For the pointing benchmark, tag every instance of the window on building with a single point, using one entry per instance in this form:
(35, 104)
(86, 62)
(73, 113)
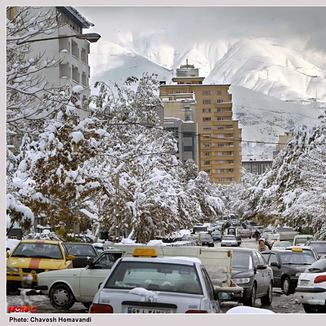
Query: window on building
(84, 79)
(83, 55)
(207, 119)
(74, 49)
(220, 136)
(207, 128)
(206, 145)
(218, 92)
(206, 110)
(220, 145)
(206, 92)
(75, 74)
(219, 100)
(206, 101)
(207, 162)
(207, 153)
(188, 148)
(64, 45)
(64, 71)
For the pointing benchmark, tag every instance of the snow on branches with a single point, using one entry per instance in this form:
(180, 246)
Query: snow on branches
(293, 192)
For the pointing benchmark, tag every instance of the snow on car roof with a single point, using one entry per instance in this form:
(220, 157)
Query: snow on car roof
(175, 260)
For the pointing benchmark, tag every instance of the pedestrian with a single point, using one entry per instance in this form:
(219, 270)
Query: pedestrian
(261, 245)
(257, 235)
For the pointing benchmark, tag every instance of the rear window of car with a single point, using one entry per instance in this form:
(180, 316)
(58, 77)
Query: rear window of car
(299, 258)
(241, 260)
(38, 250)
(229, 237)
(155, 277)
(80, 250)
(319, 247)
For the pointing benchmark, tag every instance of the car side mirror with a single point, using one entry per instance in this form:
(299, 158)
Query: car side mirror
(275, 264)
(70, 257)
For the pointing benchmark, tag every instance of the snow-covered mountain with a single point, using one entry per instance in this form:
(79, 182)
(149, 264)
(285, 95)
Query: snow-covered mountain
(274, 87)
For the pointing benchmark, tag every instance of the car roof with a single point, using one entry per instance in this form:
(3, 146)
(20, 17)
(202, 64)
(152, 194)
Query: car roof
(41, 241)
(165, 260)
(78, 243)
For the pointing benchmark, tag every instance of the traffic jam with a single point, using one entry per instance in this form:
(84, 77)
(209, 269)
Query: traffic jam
(227, 267)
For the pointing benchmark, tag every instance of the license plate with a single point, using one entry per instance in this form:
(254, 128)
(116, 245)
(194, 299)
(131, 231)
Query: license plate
(304, 282)
(145, 310)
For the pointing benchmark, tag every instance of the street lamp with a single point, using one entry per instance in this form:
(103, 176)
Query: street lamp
(90, 37)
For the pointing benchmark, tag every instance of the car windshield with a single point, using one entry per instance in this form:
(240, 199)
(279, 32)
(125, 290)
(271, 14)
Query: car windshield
(320, 247)
(318, 267)
(241, 260)
(38, 250)
(80, 250)
(297, 258)
(155, 276)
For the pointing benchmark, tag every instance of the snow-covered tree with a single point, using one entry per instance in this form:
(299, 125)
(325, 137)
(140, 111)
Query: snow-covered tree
(293, 191)
(29, 98)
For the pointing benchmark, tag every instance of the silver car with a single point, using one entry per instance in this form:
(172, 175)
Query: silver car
(156, 285)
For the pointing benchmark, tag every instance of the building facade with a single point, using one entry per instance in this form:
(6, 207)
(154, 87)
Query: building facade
(219, 136)
(72, 53)
(257, 167)
(283, 140)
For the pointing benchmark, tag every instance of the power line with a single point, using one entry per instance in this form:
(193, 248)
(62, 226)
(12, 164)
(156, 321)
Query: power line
(197, 135)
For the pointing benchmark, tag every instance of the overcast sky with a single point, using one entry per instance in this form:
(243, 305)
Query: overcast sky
(186, 24)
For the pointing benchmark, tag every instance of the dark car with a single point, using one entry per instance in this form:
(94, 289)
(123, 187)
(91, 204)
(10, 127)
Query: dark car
(205, 239)
(216, 235)
(250, 271)
(287, 265)
(319, 246)
(84, 253)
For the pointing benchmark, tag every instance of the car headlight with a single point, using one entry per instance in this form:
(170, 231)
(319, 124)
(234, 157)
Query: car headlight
(241, 280)
(12, 269)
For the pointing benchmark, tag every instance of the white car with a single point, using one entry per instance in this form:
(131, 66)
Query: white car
(229, 241)
(311, 289)
(156, 285)
(66, 286)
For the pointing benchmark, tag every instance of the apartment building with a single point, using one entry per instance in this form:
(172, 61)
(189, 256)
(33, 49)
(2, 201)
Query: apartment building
(219, 136)
(72, 53)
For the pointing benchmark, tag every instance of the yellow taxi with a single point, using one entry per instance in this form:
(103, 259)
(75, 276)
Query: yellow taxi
(31, 257)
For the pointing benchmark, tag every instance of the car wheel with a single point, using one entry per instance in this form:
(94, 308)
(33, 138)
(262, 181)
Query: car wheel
(286, 286)
(61, 297)
(267, 299)
(251, 301)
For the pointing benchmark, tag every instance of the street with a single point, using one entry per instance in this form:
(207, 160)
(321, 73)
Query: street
(281, 303)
